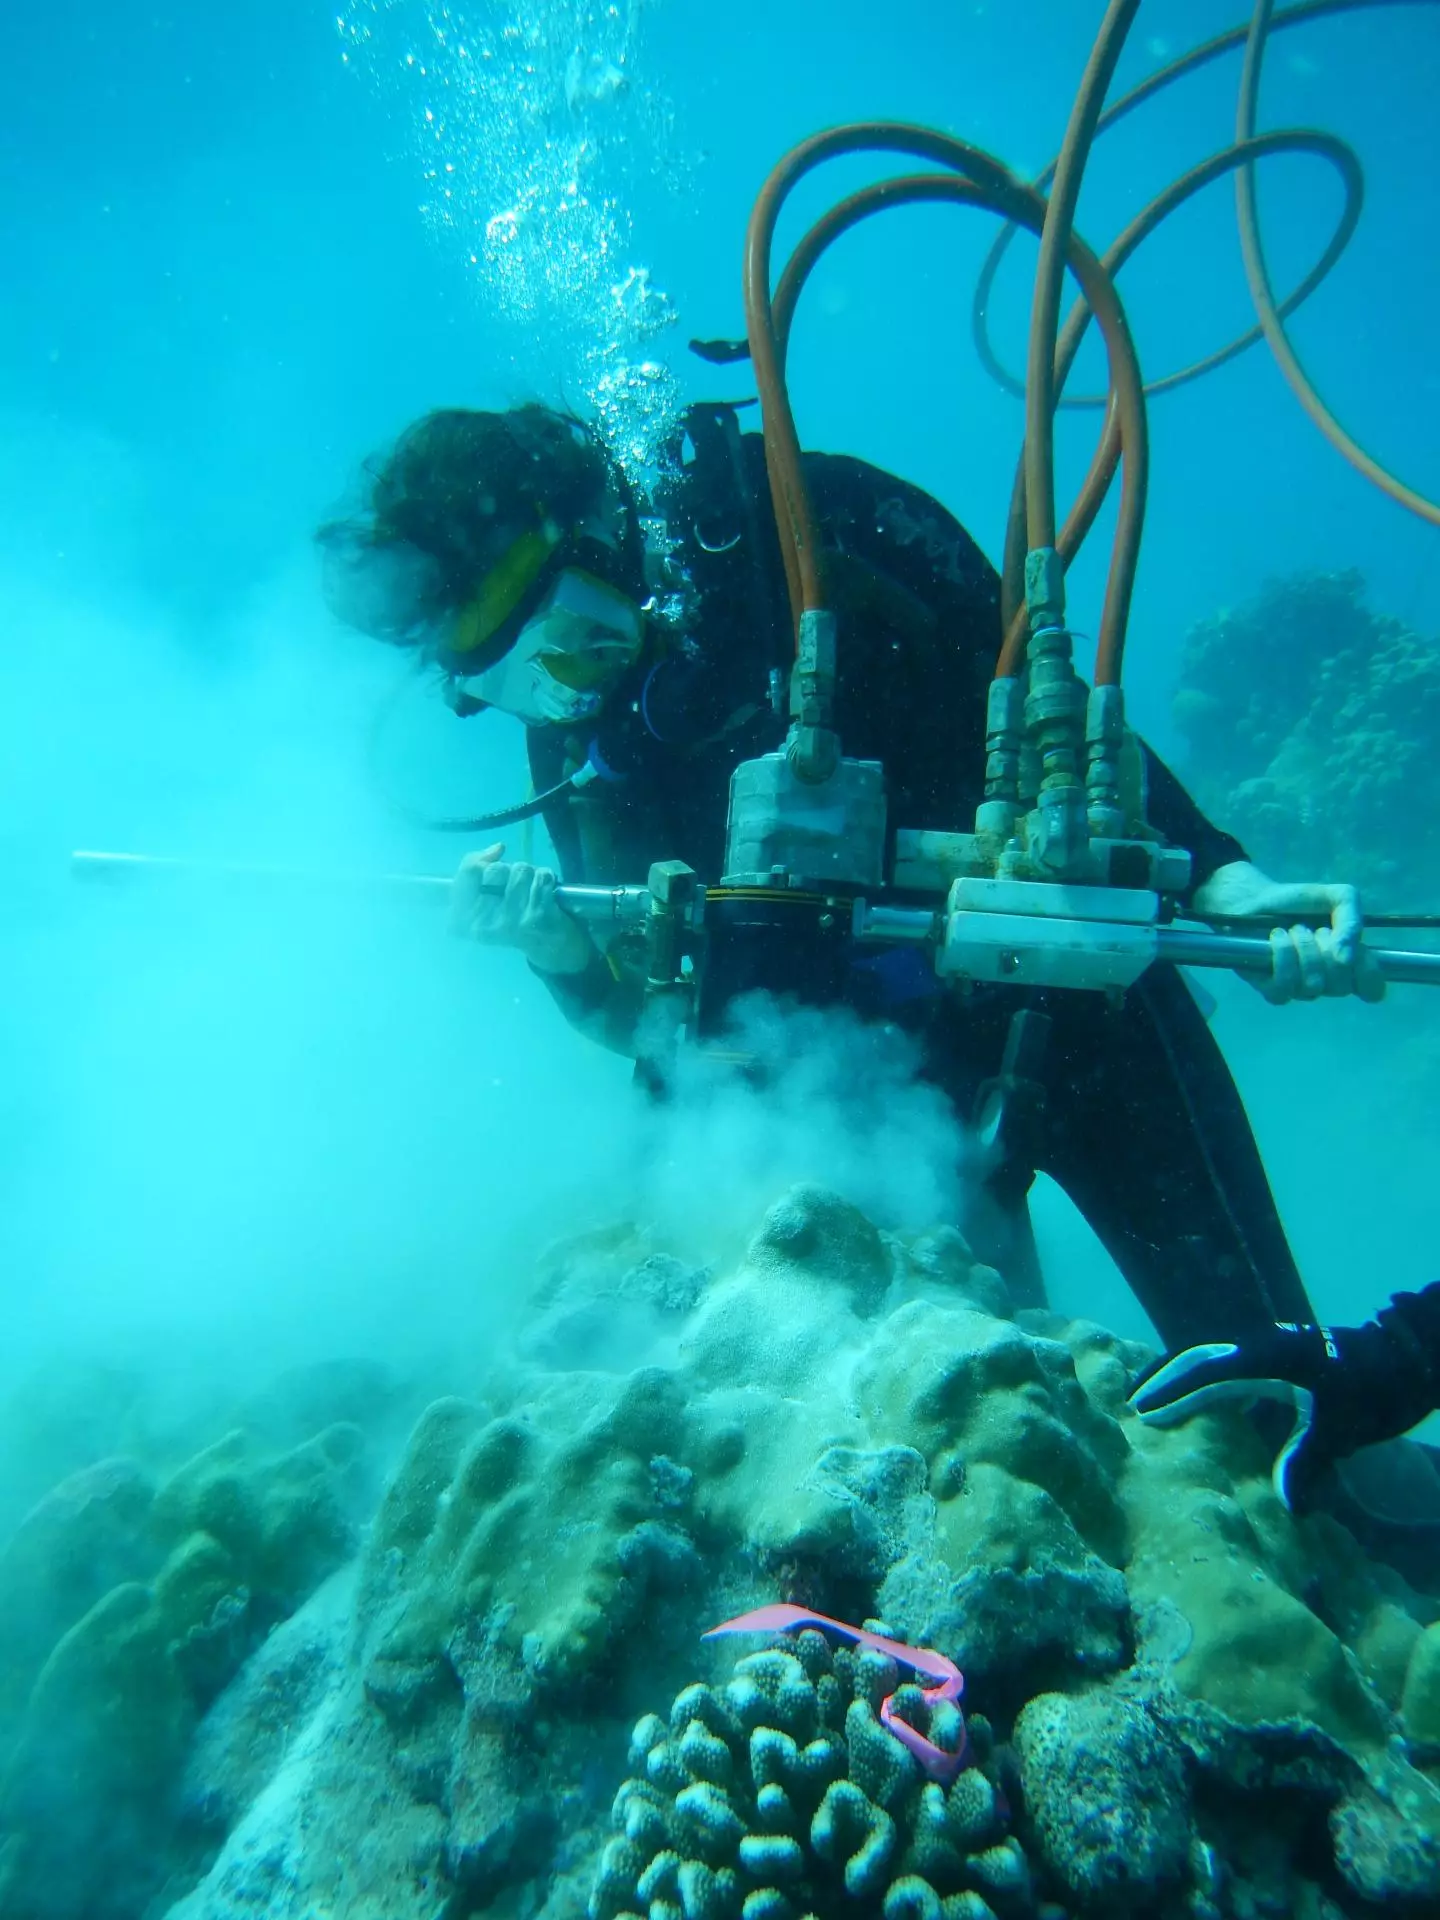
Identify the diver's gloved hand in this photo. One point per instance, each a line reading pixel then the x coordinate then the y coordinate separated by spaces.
pixel 1307 962
pixel 1350 1386
pixel 514 905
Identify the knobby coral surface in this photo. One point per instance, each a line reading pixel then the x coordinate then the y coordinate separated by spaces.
pixel 1186 1703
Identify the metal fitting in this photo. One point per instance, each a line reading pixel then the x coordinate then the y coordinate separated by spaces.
pixel 1058 831
pixel 782 825
pixel 996 822
pixel 677 903
pixel 1104 743
pixel 1004 731
pixel 813 754
pixel 813 746
pixel 1044 588
pixel 1059 836
pixel 673 932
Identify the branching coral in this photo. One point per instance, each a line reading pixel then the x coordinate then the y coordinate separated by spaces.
pixel 780 1793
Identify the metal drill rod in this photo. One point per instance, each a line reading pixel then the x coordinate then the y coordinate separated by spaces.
pixel 120 867
pixel 1199 949
pixel 1392 922
pixel 591 904
pixel 1194 947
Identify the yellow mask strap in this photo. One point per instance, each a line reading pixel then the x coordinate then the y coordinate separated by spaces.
pixel 503 588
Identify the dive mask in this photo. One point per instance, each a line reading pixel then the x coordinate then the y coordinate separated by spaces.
pixel 568 656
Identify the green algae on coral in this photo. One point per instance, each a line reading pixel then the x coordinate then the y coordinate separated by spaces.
pixel 891 1440
pixel 93 1730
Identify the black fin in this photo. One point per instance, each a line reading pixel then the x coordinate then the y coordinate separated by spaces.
pixel 720 353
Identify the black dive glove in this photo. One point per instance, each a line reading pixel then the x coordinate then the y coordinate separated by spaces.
pixel 1349 1386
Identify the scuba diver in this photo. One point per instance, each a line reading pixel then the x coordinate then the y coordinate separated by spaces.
pixel 647 653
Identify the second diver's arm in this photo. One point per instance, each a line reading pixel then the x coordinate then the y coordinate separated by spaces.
pixel 1350 1387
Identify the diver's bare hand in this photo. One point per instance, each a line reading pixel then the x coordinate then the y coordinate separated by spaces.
pixel 1307 962
pixel 510 904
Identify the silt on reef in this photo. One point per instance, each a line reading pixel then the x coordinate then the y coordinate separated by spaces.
pixel 1182 1702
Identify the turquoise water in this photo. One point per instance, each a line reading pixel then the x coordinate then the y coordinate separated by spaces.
pixel 284 1131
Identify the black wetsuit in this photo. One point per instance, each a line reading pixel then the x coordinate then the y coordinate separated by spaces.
pixel 1142 1124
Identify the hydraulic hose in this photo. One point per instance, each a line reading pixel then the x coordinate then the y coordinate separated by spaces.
pixel 1253 37
pixel 1263 294
pixel 1123 443
pixel 1102 470
pixel 768 321
pixel 1126 434
pixel 1023 205
pixel 794 510
pixel 1050 273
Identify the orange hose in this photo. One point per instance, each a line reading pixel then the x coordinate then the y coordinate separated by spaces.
pixel 1015 201
pixel 1050 273
pixel 1032 514
pixel 1102 470
pixel 1014 618
pixel 1263 294
pixel 1289 140
pixel 1273 332
pixel 794 511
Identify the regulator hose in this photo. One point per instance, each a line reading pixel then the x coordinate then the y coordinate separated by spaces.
pixel 506 817
pixel 478 823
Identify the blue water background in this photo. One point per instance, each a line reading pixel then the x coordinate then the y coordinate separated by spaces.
pixel 286 1135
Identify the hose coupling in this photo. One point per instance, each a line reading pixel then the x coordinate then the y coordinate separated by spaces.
pixel 1055 708
pixel 1104 744
pixel 1057 827
pixel 813 746
pixel 1004 731
pixel 998 812
pixel 1044 588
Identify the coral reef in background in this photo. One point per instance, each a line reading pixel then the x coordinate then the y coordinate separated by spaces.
pixel 1184 1704
pixel 1309 722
